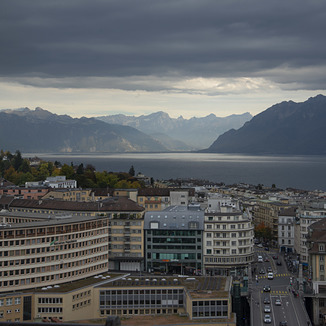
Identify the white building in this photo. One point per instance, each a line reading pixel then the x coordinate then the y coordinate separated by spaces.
pixel 228 238
pixel 60 182
pixel 305 217
pixel 286 222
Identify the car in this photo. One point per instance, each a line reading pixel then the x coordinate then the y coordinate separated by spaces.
pixel 266 300
pixel 269 269
pixel 260 259
pixel 261 271
pixel 283 323
pixel 267 319
pixel 267 288
pixel 270 276
pixel 275 257
pixel 278 302
pixel 279 263
pixel 260 245
pixel 266 248
pixel 266 260
pixel 267 309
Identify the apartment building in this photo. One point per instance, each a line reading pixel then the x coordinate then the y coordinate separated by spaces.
pixel 24 193
pixel 46 253
pixel 173 240
pixel 316 244
pixel 305 218
pixel 228 238
pixel 78 194
pixel 286 223
pixel 267 212
pixel 158 199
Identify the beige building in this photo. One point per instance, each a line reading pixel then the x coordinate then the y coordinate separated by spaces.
pixel 267 212
pixel 109 295
pixel 46 253
pixel 316 244
pixel 305 218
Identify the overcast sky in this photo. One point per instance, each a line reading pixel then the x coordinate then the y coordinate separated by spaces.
pixel 184 57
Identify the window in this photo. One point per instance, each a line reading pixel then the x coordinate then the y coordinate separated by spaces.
pixel 321 267
pixel 17 300
pixel 321 247
pixel 9 302
pixel 209 235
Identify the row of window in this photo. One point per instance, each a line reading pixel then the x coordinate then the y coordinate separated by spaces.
pixel 50 300
pixel 48 310
pixel 228 226
pixel 240 251
pixel 127 312
pixel 228 260
pixel 54 246
pixel 39 240
pixel 10 301
pixel 37 280
pixel 81 304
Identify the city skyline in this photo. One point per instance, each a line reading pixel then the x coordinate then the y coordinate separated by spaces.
pixel 186 58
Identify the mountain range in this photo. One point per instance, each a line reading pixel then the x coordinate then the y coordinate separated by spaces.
pixel 42 131
pixel 179 134
pixel 285 128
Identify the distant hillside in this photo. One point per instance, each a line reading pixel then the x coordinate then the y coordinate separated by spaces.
pixel 284 128
pixel 41 131
pixel 180 133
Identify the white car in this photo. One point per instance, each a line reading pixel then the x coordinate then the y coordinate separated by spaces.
pixel 278 302
pixel 267 309
pixel 260 259
pixel 267 319
pixel 270 276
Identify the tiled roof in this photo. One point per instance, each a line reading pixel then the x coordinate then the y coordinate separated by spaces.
pixel 111 204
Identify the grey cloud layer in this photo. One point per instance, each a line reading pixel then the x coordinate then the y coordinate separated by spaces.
pixel 278 40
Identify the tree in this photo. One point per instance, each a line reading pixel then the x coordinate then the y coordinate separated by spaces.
pixel 132 171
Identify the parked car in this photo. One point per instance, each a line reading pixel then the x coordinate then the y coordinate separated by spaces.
pixel 267 288
pixel 266 300
pixel 267 309
pixel 267 319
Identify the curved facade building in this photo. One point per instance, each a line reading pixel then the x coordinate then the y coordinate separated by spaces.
pixel 50 252
pixel 228 239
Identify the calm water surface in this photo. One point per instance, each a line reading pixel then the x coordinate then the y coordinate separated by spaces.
pixel 304 172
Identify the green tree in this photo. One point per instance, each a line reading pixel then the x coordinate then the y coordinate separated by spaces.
pixel 68 171
pixel 132 171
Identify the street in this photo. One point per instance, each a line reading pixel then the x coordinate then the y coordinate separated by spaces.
pixel 274 297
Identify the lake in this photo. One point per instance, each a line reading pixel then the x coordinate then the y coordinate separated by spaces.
pixel 302 172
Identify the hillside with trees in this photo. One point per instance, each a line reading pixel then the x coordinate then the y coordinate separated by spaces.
pixel 18 170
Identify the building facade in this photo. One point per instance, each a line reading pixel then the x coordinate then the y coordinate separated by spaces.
pixel 46 253
pixel 173 240
pixel 228 238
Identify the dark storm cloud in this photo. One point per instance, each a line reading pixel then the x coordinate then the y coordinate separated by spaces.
pixel 206 38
